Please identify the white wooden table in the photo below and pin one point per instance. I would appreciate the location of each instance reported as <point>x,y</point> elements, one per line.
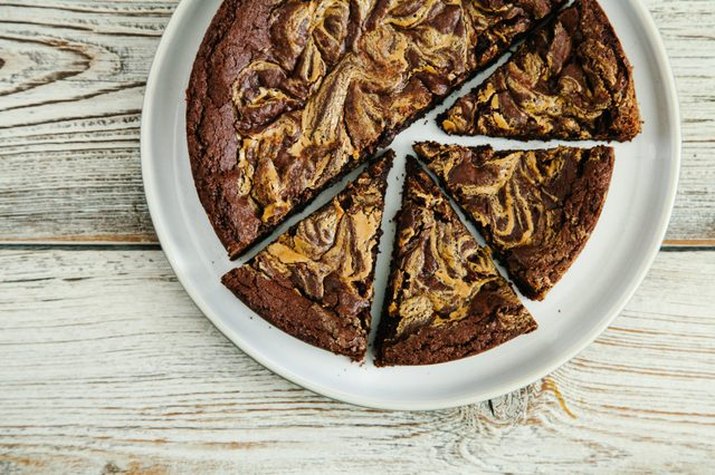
<point>106,366</point>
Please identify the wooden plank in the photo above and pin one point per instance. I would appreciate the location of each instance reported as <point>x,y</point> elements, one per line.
<point>686,28</point>
<point>71,89</point>
<point>72,76</point>
<point>107,366</point>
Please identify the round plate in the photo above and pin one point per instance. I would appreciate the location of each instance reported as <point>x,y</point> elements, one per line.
<point>578,309</point>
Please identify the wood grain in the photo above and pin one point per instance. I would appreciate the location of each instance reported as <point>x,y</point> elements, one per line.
<point>72,75</point>
<point>71,90</point>
<point>107,367</point>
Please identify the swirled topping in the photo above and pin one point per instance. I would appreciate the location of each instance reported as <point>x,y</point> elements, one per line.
<point>329,257</point>
<point>571,80</point>
<point>316,280</point>
<point>288,95</point>
<point>536,208</point>
<point>442,281</point>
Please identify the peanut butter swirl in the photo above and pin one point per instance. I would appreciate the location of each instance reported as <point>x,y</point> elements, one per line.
<point>570,80</point>
<point>442,283</point>
<point>287,95</point>
<point>334,248</point>
<point>316,280</point>
<point>536,208</point>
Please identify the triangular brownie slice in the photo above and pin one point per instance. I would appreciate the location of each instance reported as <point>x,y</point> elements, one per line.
<point>446,299</point>
<point>535,208</point>
<point>315,281</point>
<point>570,80</point>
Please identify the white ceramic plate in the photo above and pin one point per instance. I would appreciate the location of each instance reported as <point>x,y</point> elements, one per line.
<point>578,309</point>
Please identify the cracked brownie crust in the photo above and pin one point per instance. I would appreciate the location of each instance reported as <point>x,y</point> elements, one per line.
<point>446,299</point>
<point>571,80</point>
<point>535,208</point>
<point>316,281</point>
<point>286,96</point>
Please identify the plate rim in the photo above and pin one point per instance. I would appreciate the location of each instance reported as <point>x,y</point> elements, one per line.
<point>583,341</point>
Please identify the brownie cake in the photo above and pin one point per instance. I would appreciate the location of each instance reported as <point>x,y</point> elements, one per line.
<point>570,80</point>
<point>446,299</point>
<point>316,281</point>
<point>286,96</point>
<point>535,208</point>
